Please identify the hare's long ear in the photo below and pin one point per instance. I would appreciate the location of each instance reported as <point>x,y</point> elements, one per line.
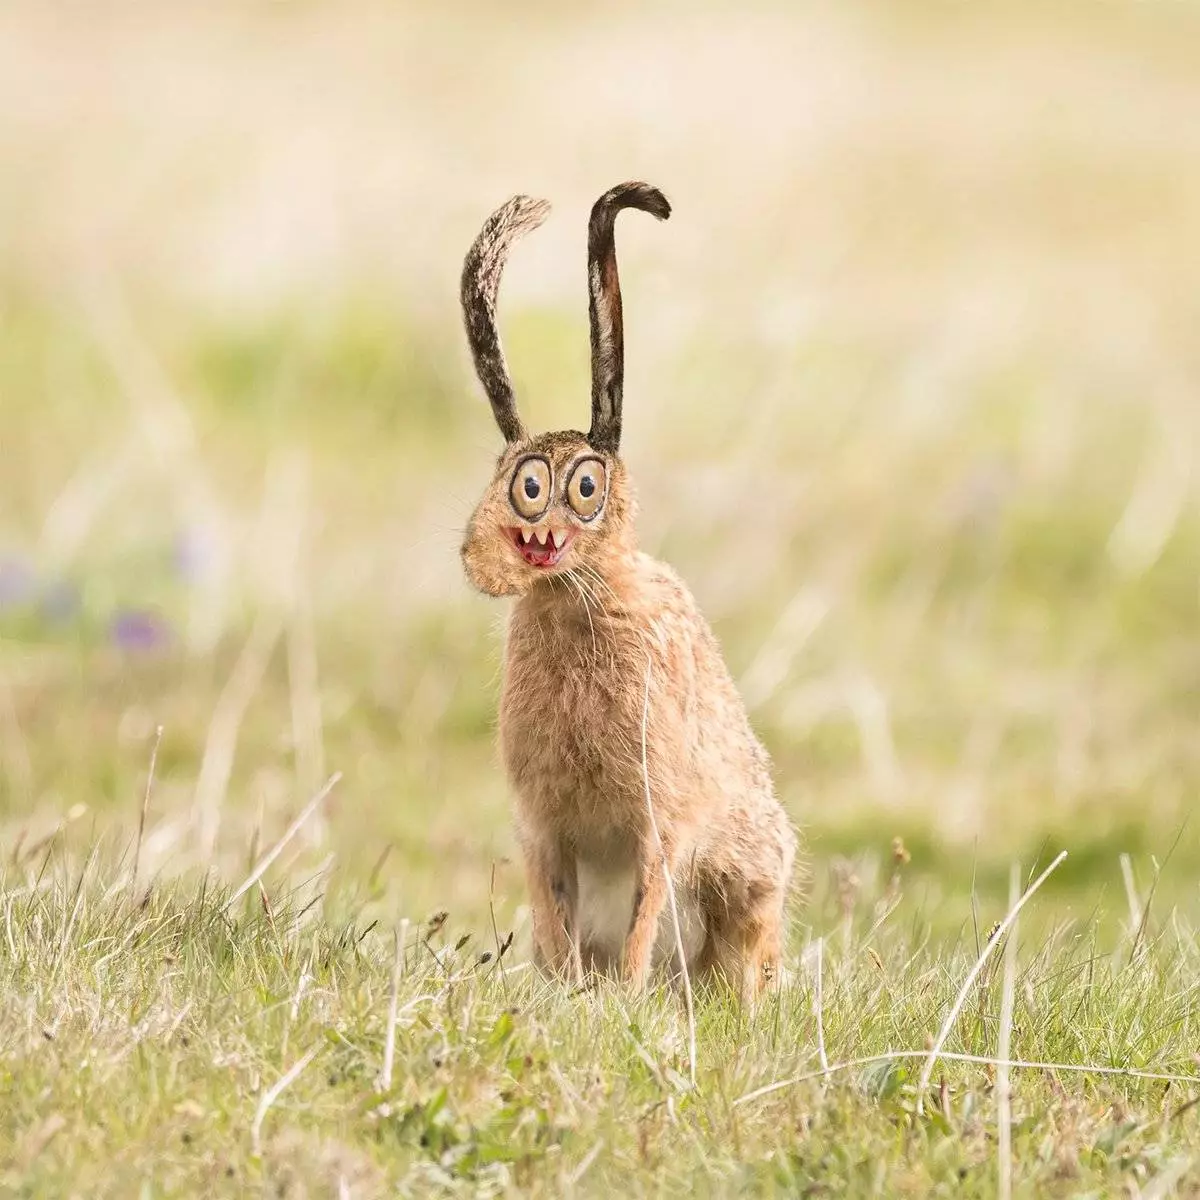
<point>604,306</point>
<point>480,283</point>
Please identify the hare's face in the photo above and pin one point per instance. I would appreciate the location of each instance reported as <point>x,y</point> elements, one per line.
<point>555,504</point>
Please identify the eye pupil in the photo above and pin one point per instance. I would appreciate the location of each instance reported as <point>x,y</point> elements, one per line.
<point>532,487</point>
<point>587,486</point>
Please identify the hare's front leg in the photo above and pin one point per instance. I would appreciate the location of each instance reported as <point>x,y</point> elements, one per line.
<point>647,910</point>
<point>553,896</point>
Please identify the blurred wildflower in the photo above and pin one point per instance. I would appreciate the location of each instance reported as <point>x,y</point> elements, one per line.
<point>193,554</point>
<point>59,602</point>
<point>139,631</point>
<point>17,581</point>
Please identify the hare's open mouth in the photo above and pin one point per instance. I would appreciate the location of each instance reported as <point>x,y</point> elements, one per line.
<point>542,547</point>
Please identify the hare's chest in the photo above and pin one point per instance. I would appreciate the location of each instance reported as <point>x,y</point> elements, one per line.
<point>566,728</point>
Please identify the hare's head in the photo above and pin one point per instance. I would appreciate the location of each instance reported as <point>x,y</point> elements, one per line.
<point>557,501</point>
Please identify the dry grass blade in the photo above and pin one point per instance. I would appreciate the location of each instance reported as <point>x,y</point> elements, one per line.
<point>585,1163</point>
<point>38,1138</point>
<point>1003,1090</point>
<point>389,1045</point>
<point>984,1060</point>
<point>137,850</point>
<point>272,1094</point>
<point>1163,1184</point>
<point>819,1007</point>
<point>1131,894</point>
<point>687,981</point>
<point>220,745</point>
<point>973,974</point>
<point>294,828</point>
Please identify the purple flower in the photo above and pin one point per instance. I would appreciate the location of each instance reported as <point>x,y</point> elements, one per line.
<point>139,631</point>
<point>17,582</point>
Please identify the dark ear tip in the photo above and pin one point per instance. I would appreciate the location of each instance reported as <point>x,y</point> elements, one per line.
<point>656,203</point>
<point>634,194</point>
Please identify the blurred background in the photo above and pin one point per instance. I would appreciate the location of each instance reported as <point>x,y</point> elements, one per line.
<point>911,403</point>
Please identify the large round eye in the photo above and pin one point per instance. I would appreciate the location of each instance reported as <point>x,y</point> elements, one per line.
<point>587,487</point>
<point>530,488</point>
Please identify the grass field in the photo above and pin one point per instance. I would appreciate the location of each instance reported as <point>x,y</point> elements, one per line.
<point>911,404</point>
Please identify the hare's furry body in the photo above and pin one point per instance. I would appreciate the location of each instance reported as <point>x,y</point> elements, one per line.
<point>596,622</point>
<point>570,728</point>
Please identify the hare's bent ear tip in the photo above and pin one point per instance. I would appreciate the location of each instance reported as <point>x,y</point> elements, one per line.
<point>636,194</point>
<point>633,194</point>
<point>533,207</point>
<point>656,203</point>
<point>525,213</point>
<point>517,215</point>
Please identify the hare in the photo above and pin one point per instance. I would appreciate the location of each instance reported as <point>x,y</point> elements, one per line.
<point>625,740</point>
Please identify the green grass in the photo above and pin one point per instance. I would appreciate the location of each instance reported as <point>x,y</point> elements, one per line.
<point>144,1033</point>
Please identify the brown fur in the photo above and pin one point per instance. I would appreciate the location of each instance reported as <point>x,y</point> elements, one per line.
<point>581,638</point>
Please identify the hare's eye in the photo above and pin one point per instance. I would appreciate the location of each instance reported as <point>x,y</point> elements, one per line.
<point>586,488</point>
<point>530,488</point>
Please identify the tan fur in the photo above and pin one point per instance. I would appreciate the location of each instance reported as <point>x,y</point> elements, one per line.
<point>581,638</point>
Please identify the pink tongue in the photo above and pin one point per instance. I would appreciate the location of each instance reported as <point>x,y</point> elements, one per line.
<point>540,555</point>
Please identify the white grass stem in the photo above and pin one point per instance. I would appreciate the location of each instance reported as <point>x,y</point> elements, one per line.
<point>272,854</point>
<point>819,1007</point>
<point>585,1163</point>
<point>956,1008</point>
<point>683,967</point>
<point>220,745</point>
<point>1003,1083</point>
<point>404,923</point>
<point>272,1094</point>
<point>8,926</point>
<point>1163,1184</point>
<point>985,1060</point>
<point>301,987</point>
<point>294,1011</point>
<point>1131,895</point>
<point>389,1045</point>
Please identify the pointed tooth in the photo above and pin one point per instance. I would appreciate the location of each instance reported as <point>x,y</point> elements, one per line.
<point>541,535</point>
<point>526,536</point>
<point>559,536</point>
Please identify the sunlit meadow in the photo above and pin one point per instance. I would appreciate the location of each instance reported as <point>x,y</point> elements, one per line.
<point>911,403</point>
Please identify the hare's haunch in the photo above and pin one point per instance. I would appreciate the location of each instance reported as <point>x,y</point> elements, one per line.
<point>594,620</point>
